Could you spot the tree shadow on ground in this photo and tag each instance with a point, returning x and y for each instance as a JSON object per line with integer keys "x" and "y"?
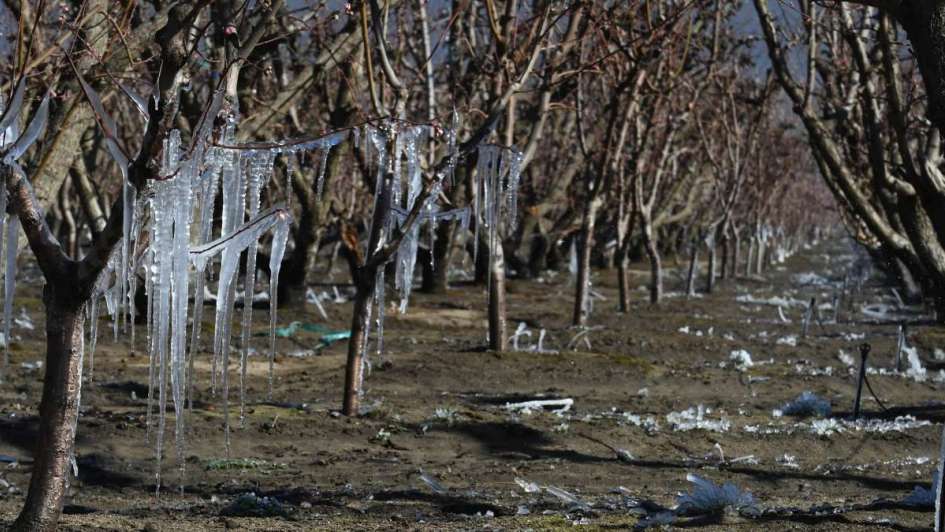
{"x": 933, "y": 412}
{"x": 505, "y": 438}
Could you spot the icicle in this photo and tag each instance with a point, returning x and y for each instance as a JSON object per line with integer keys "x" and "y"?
{"x": 277, "y": 251}
{"x": 407, "y": 252}
{"x": 322, "y": 170}
{"x": 183, "y": 212}
{"x": 6, "y": 338}
{"x": 234, "y": 189}
{"x": 37, "y": 124}
{"x": 13, "y": 110}
{"x": 93, "y": 333}
{"x": 379, "y": 288}
{"x": 209, "y": 182}
{"x": 9, "y": 284}
{"x": 511, "y": 188}
{"x": 140, "y": 103}
{"x": 260, "y": 169}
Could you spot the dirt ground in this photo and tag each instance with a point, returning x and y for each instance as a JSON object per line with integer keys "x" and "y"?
{"x": 438, "y": 405}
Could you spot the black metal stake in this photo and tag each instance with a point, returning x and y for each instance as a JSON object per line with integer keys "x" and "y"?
{"x": 864, "y": 351}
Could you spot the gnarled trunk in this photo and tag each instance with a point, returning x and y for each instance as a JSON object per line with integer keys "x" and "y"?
{"x": 58, "y": 411}
{"x": 360, "y": 326}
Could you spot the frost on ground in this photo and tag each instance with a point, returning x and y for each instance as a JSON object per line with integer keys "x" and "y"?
{"x": 695, "y": 419}
{"x": 773, "y": 301}
{"x": 647, "y": 423}
{"x": 829, "y": 426}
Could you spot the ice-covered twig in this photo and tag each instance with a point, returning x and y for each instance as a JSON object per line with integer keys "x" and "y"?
{"x": 530, "y": 406}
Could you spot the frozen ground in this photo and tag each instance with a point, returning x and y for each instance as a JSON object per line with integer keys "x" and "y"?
{"x": 458, "y": 438}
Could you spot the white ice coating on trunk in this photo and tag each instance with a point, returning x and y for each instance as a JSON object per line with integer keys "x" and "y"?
{"x": 9, "y": 279}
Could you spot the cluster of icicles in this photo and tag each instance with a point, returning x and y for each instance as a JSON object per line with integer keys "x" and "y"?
{"x": 13, "y": 145}
{"x": 176, "y": 214}
{"x": 496, "y": 184}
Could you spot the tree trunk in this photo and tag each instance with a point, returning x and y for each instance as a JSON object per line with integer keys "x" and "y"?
{"x": 760, "y": 257}
{"x": 435, "y": 279}
{"x": 623, "y": 282}
{"x": 656, "y": 268}
{"x": 726, "y": 249}
{"x": 539, "y": 248}
{"x": 710, "y": 274}
{"x": 360, "y": 327}
{"x": 583, "y": 282}
{"x": 736, "y": 252}
{"x": 749, "y": 260}
{"x": 693, "y": 266}
{"x": 498, "y": 330}
{"x": 58, "y": 411}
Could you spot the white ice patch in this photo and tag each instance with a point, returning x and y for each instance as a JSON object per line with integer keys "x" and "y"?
{"x": 847, "y": 360}
{"x": 773, "y": 301}
{"x": 529, "y": 407}
{"x": 647, "y": 423}
{"x": 790, "y": 340}
{"x": 741, "y": 358}
{"x": 695, "y": 419}
{"x": 810, "y": 279}
{"x": 915, "y": 371}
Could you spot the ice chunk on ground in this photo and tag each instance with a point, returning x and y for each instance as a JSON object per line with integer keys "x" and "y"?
{"x": 790, "y": 340}
{"x": 741, "y": 358}
{"x": 847, "y": 360}
{"x": 527, "y": 487}
{"x": 916, "y": 371}
{"x": 708, "y": 497}
{"x": 805, "y": 405}
{"x": 527, "y": 407}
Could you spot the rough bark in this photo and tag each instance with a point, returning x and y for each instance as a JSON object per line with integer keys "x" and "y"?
{"x": 656, "y": 268}
{"x": 58, "y": 411}
{"x": 583, "y": 281}
{"x": 498, "y": 328}
{"x": 354, "y": 368}
{"x": 693, "y": 266}
{"x": 623, "y": 281}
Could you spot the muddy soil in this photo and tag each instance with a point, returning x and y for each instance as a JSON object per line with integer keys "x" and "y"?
{"x": 438, "y": 405}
